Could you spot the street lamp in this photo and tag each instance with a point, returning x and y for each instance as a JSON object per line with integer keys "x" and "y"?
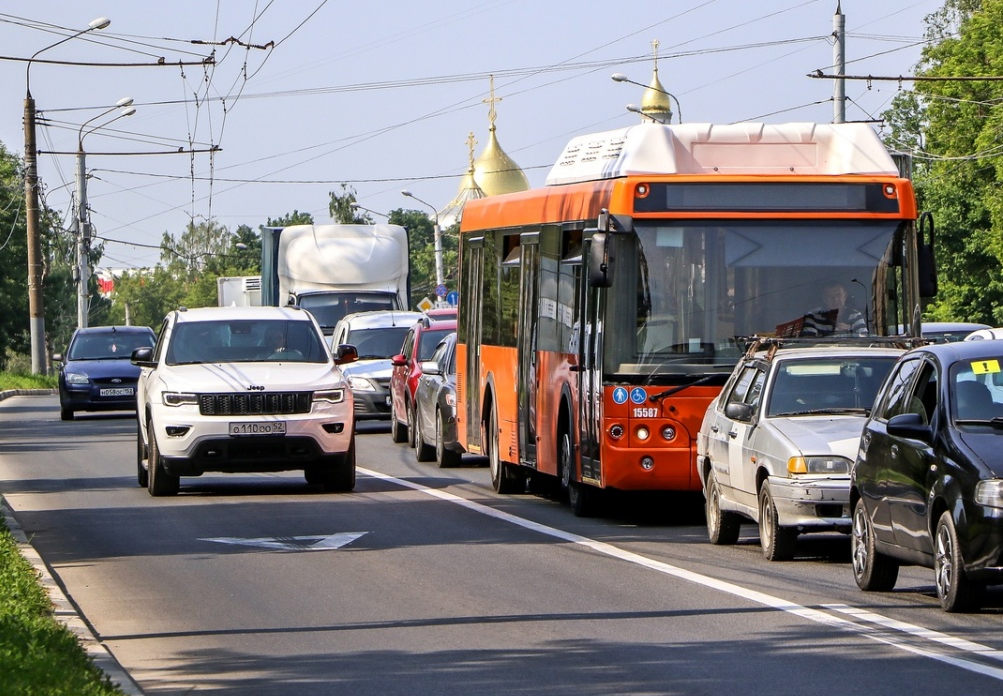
{"x": 36, "y": 307}
{"x": 437, "y": 236}
{"x": 356, "y": 206}
{"x": 620, "y": 77}
{"x": 83, "y": 226}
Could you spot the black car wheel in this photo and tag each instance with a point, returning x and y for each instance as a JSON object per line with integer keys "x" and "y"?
{"x": 65, "y": 413}
{"x": 443, "y": 457}
{"x": 954, "y": 590}
{"x": 398, "y": 431}
{"x": 778, "y": 542}
{"x": 873, "y": 572}
{"x": 423, "y": 452}
{"x": 722, "y": 527}
{"x": 159, "y": 482}
{"x": 411, "y": 418}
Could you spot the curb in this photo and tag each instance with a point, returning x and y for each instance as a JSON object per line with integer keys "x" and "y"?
{"x": 25, "y": 392}
{"x": 63, "y": 609}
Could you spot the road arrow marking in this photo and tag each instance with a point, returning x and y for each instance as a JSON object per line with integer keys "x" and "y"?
{"x": 313, "y": 542}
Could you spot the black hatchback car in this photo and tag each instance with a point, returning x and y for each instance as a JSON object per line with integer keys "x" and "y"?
{"x": 97, "y": 374}
{"x": 927, "y": 485}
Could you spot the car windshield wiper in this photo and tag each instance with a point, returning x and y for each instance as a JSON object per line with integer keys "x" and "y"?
{"x": 993, "y": 422}
{"x": 820, "y": 411}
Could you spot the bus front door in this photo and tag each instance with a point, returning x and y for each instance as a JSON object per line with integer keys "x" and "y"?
{"x": 528, "y": 384}
{"x": 473, "y": 289}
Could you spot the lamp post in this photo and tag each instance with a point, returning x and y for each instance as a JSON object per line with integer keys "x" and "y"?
{"x": 620, "y": 77}
{"x": 82, "y": 222}
{"x": 356, "y": 206}
{"x": 36, "y": 307}
{"x": 437, "y": 236}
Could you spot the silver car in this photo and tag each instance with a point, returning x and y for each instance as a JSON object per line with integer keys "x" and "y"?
{"x": 775, "y": 447}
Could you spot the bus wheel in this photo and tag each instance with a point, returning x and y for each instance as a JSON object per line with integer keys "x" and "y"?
{"x": 504, "y": 477}
{"x": 584, "y": 499}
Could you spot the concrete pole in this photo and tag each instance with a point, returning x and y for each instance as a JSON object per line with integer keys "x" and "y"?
{"x": 36, "y": 307}
{"x": 839, "y": 66}
{"x": 440, "y": 278}
{"x": 83, "y": 239}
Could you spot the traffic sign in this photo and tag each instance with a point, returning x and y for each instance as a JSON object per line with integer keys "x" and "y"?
{"x": 453, "y": 298}
{"x": 425, "y": 304}
{"x": 441, "y": 290}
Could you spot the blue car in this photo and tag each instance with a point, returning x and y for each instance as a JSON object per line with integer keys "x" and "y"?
{"x": 97, "y": 374}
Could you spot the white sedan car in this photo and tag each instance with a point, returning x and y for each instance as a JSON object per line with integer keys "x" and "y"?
{"x": 243, "y": 389}
{"x": 776, "y": 445}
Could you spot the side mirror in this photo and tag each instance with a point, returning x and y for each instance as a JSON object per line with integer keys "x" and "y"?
{"x": 57, "y": 357}
{"x": 927, "y": 262}
{"x": 910, "y": 426}
{"x": 738, "y": 411}
{"x": 430, "y": 367}
{"x": 398, "y": 360}
{"x": 345, "y": 353}
{"x": 601, "y": 261}
{"x": 143, "y": 357}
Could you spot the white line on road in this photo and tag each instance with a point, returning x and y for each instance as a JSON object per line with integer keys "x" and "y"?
{"x": 815, "y": 615}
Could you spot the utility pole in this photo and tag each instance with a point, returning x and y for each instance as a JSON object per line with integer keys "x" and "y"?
{"x": 36, "y": 307}
{"x": 83, "y": 241}
{"x": 839, "y": 65}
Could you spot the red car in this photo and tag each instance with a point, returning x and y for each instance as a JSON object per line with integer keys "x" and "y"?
{"x": 419, "y": 344}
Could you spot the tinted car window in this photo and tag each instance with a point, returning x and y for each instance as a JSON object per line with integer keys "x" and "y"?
{"x": 242, "y": 341}
{"x": 898, "y": 394}
{"x": 429, "y": 340}
{"x": 109, "y": 345}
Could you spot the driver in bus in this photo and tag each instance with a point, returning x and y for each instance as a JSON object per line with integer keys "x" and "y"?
{"x": 833, "y": 317}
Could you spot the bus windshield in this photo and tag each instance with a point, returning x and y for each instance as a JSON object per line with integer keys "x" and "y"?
{"x": 687, "y": 294}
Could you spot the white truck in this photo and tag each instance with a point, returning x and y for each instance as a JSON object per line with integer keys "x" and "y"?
{"x": 334, "y": 270}
{"x": 239, "y": 291}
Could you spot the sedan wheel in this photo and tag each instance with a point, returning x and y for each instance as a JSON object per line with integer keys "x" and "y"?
{"x": 954, "y": 590}
{"x": 778, "y": 542}
{"x": 422, "y": 451}
{"x": 722, "y": 527}
{"x": 873, "y": 571}
{"x": 443, "y": 457}
{"x": 398, "y": 432}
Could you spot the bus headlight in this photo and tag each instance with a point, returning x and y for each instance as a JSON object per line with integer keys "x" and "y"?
{"x": 642, "y": 433}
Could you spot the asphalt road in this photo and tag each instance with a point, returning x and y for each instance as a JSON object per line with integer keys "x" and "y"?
{"x": 423, "y": 581}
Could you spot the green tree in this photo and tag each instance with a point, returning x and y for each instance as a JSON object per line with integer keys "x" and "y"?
{"x": 421, "y": 243}
{"x": 342, "y": 211}
{"x": 952, "y": 127}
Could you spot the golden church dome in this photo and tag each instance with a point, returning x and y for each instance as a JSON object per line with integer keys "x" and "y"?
{"x": 494, "y": 171}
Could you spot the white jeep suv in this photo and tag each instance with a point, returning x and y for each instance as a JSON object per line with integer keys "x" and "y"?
{"x": 243, "y": 389}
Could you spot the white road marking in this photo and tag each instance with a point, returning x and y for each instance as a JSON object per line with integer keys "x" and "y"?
{"x": 764, "y": 599}
{"x": 317, "y": 542}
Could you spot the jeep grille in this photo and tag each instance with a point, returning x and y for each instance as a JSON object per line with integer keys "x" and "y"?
{"x": 255, "y": 403}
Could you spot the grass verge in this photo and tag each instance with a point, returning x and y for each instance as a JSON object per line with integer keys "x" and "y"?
{"x": 38, "y": 655}
{"x": 13, "y": 380}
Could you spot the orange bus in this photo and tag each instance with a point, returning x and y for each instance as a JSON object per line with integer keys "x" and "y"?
{"x": 601, "y": 313}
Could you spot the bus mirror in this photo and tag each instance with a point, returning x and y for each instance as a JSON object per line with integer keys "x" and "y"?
{"x": 601, "y": 261}
{"x": 927, "y": 261}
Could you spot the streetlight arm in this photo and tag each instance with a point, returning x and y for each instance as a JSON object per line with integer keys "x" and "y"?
{"x": 437, "y": 236}
{"x": 99, "y": 23}
{"x": 620, "y": 77}
{"x": 127, "y": 110}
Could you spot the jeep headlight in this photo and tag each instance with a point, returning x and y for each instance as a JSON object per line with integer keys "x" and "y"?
{"x": 818, "y": 465}
{"x": 989, "y": 493}
{"x": 180, "y": 399}
{"x": 76, "y": 378}
{"x": 331, "y": 396}
{"x": 361, "y": 384}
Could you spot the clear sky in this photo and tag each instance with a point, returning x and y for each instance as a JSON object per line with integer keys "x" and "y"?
{"x": 381, "y": 95}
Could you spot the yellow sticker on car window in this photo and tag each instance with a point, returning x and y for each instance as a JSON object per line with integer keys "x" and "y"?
{"x": 984, "y": 367}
